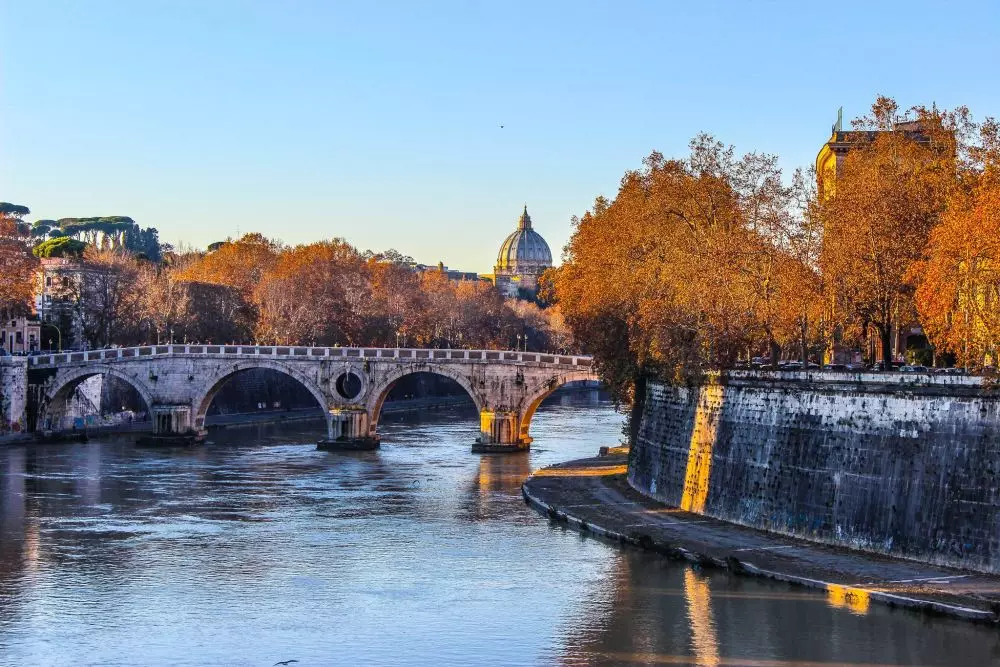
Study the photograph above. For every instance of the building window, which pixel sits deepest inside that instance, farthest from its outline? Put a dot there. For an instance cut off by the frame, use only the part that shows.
(18, 337)
(48, 281)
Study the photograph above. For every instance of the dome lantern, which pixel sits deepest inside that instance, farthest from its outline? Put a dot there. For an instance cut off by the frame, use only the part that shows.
(525, 221)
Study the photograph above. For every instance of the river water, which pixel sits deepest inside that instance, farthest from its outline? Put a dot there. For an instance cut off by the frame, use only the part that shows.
(256, 548)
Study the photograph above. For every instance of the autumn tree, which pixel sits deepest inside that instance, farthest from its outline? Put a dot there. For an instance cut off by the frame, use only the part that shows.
(240, 264)
(890, 191)
(395, 300)
(311, 295)
(958, 284)
(17, 265)
(108, 300)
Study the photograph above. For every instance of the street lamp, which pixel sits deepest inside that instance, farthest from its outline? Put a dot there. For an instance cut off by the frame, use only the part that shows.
(58, 331)
(518, 348)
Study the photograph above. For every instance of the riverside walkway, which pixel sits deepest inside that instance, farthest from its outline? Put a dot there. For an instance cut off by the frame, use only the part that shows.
(592, 495)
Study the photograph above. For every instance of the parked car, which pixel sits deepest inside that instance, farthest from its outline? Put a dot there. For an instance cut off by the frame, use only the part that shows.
(4, 353)
(913, 369)
(856, 367)
(836, 367)
(949, 371)
(879, 366)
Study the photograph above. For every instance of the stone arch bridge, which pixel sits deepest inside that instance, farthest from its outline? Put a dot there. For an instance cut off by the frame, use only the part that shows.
(178, 383)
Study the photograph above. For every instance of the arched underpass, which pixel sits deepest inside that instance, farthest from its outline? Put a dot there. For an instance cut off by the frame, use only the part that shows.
(255, 395)
(413, 395)
(95, 400)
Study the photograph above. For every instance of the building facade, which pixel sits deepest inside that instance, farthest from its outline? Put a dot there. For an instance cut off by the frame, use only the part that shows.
(524, 256)
(60, 285)
(20, 335)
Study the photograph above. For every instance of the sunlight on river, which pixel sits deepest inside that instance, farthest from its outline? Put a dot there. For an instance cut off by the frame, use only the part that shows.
(257, 548)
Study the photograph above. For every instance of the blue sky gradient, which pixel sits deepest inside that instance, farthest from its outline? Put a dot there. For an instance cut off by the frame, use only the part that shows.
(380, 122)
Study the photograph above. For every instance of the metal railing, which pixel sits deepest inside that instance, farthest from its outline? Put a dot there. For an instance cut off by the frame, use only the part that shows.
(298, 352)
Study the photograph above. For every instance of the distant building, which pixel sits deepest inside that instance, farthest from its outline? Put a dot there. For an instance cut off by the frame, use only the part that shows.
(831, 155)
(906, 339)
(20, 335)
(524, 256)
(452, 273)
(61, 282)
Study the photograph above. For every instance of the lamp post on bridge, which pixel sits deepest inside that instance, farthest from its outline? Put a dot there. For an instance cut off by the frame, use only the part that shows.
(58, 332)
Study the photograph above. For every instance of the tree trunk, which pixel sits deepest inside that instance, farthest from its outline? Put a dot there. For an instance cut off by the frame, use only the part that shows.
(638, 400)
(885, 336)
(774, 351)
(803, 335)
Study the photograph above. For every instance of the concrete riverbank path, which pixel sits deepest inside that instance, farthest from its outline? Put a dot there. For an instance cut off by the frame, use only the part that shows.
(593, 496)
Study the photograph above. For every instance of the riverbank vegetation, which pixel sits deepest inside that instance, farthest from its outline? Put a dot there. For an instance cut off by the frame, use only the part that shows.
(257, 290)
(705, 261)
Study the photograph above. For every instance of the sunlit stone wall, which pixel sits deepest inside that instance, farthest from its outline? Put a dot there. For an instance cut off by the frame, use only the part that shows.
(905, 465)
(13, 393)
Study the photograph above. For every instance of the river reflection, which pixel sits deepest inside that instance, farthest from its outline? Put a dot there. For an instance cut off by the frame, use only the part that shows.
(257, 548)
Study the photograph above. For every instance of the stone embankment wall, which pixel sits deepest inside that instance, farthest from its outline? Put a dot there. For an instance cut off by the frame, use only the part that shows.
(895, 464)
(13, 394)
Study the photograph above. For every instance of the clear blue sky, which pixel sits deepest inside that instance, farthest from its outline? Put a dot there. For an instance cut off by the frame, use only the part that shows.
(379, 121)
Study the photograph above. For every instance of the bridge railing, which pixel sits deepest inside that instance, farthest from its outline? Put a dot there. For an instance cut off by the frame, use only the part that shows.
(298, 352)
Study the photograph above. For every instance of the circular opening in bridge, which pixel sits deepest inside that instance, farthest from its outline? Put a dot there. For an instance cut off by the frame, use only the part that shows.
(348, 385)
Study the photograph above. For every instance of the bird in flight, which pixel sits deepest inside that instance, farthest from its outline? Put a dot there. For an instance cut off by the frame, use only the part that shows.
(501, 126)
(286, 662)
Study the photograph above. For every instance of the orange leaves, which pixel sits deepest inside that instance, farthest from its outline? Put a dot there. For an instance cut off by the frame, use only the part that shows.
(17, 267)
(957, 286)
(240, 264)
(891, 189)
(327, 293)
(691, 263)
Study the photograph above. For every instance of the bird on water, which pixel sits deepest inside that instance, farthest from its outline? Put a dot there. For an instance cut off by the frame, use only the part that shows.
(286, 662)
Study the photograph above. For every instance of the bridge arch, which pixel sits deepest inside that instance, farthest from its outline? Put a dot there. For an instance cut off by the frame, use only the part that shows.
(203, 401)
(66, 382)
(380, 389)
(540, 393)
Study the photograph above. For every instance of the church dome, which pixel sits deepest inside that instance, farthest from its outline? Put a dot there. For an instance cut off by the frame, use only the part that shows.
(524, 249)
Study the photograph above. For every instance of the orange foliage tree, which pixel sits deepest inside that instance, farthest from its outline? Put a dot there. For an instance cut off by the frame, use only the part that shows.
(958, 284)
(688, 268)
(311, 295)
(17, 264)
(694, 264)
(890, 192)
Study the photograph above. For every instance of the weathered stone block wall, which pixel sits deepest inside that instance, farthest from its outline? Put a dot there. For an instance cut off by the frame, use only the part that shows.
(13, 393)
(900, 465)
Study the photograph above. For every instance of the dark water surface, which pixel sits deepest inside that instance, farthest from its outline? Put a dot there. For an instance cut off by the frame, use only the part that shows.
(257, 548)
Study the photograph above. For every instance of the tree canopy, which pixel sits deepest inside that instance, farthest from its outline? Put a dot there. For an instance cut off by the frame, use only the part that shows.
(63, 246)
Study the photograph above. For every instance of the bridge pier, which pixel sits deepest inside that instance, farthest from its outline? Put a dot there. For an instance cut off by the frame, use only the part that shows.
(172, 426)
(500, 432)
(348, 429)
